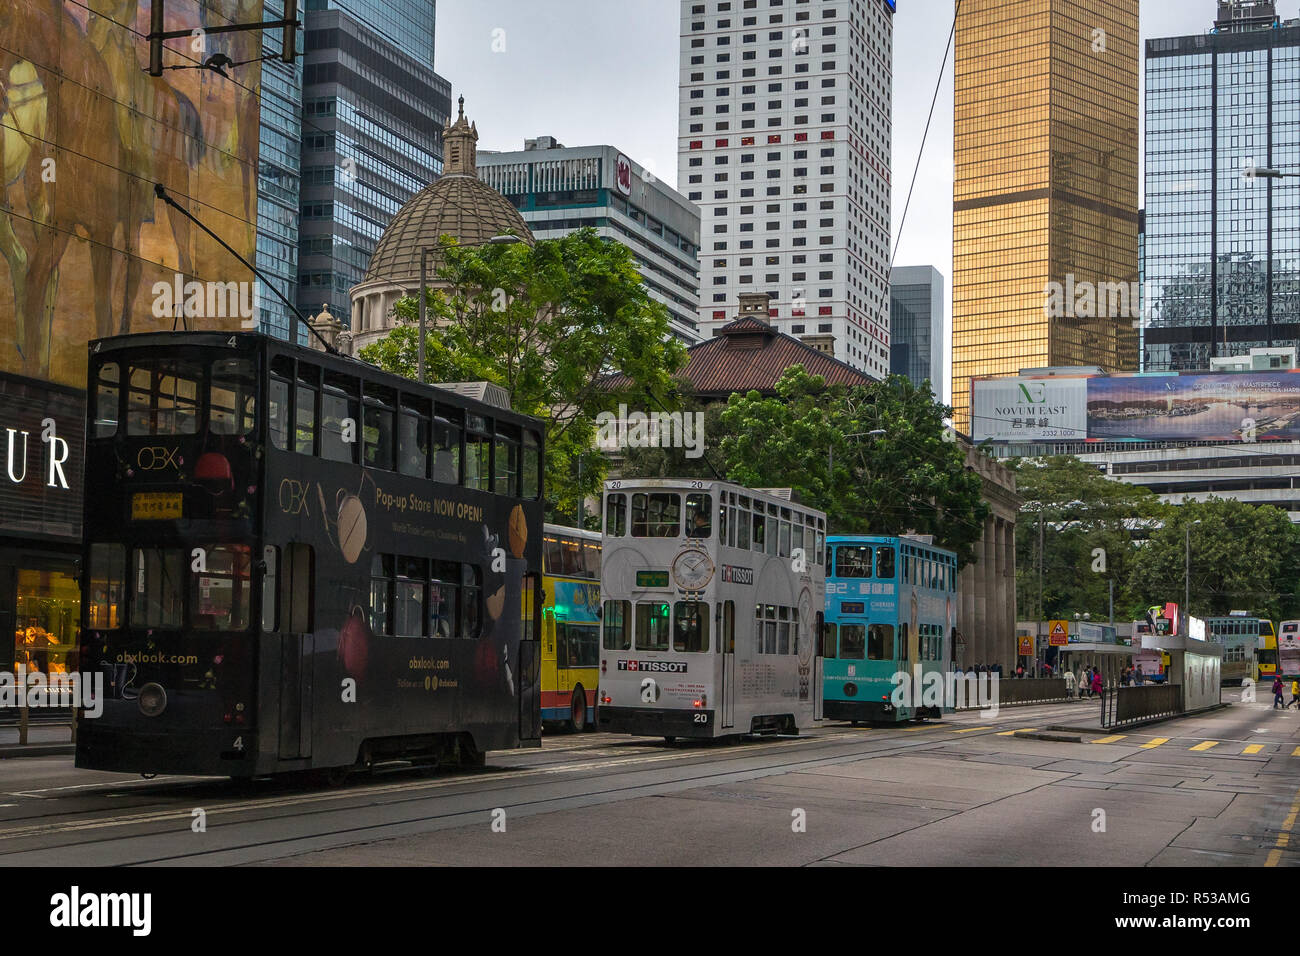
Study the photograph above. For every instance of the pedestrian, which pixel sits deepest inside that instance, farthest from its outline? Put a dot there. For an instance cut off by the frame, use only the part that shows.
(1085, 683)
(1137, 675)
(1069, 684)
(1020, 671)
(1295, 694)
(1096, 682)
(1277, 693)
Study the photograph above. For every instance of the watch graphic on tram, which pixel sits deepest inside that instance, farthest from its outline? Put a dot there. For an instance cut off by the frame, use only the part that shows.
(692, 570)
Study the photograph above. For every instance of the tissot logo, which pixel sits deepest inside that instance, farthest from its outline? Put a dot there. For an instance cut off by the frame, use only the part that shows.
(736, 575)
(654, 667)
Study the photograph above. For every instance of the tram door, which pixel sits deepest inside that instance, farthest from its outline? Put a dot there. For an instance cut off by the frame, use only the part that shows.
(530, 659)
(727, 645)
(817, 667)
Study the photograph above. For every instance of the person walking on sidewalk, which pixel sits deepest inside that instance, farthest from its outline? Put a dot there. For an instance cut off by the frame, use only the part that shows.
(1295, 694)
(1277, 693)
(1096, 683)
(1069, 683)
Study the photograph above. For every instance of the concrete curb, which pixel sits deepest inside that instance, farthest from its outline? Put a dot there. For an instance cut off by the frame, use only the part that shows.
(36, 750)
(1055, 738)
(1106, 731)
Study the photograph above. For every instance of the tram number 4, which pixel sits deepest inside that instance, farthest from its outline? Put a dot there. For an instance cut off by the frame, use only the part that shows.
(701, 718)
(239, 743)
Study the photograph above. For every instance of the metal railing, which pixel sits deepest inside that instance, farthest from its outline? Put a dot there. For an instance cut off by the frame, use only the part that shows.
(1121, 706)
(1030, 690)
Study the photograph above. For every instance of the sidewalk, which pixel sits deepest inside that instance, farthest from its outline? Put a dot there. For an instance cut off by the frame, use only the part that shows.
(43, 740)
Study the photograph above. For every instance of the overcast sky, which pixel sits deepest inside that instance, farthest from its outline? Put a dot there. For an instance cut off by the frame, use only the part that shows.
(605, 71)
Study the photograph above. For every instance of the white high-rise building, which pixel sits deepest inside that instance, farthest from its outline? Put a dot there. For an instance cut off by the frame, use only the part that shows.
(785, 147)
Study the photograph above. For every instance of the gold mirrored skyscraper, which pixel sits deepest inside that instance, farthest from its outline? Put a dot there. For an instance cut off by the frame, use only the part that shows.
(1045, 189)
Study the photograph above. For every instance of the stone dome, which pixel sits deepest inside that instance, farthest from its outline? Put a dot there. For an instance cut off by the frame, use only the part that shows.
(458, 204)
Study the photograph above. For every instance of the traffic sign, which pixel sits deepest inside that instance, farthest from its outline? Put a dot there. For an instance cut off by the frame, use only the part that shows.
(1058, 633)
(1026, 645)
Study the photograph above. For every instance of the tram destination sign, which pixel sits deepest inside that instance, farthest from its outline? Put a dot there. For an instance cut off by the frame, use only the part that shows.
(652, 579)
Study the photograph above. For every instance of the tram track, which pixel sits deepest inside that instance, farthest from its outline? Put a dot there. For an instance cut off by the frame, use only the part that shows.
(480, 791)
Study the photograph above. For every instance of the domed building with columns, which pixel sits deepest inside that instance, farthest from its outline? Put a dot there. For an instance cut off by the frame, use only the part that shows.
(458, 204)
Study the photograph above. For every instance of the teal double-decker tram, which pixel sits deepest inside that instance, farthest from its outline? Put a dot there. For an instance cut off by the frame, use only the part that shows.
(891, 605)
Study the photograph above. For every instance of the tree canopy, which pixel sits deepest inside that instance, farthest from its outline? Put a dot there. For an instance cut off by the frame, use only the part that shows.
(546, 322)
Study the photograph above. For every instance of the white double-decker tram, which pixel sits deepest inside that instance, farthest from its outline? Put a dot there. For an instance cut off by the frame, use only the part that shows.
(713, 598)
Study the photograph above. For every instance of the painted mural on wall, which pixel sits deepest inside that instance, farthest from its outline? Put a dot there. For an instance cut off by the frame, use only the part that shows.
(85, 133)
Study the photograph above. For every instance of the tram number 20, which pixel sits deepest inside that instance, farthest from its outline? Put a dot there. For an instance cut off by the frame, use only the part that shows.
(701, 718)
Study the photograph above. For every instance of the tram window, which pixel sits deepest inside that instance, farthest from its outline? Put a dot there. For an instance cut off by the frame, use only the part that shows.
(853, 561)
(616, 515)
(699, 514)
(444, 592)
(578, 645)
(853, 640)
(163, 398)
(552, 555)
(471, 601)
(107, 392)
(340, 409)
(783, 632)
(380, 440)
(796, 540)
(820, 548)
(571, 555)
(531, 465)
(783, 544)
(656, 515)
(506, 480)
(408, 597)
(651, 626)
(107, 586)
(722, 522)
(591, 559)
(884, 562)
(759, 524)
(232, 397)
(880, 642)
(730, 522)
(769, 629)
(446, 446)
(691, 627)
(159, 587)
(743, 523)
(270, 588)
(304, 421)
(278, 415)
(829, 638)
(413, 444)
(381, 590)
(296, 579)
(478, 454)
(219, 596)
(616, 621)
(727, 639)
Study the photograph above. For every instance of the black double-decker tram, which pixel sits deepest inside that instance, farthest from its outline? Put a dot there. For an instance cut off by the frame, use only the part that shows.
(294, 561)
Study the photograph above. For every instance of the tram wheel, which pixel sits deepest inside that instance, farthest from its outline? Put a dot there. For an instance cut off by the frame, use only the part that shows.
(578, 711)
(670, 740)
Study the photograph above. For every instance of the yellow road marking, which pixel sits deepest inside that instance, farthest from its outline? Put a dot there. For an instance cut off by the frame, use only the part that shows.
(1205, 745)
(1253, 749)
(1111, 739)
(971, 730)
(1296, 752)
(1273, 857)
(1012, 733)
(1156, 742)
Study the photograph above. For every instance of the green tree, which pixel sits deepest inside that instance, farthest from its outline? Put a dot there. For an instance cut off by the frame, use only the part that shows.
(1090, 524)
(678, 461)
(549, 323)
(816, 438)
(1243, 557)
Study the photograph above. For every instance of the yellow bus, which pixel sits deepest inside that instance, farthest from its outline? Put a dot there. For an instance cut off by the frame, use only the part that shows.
(1266, 653)
(570, 626)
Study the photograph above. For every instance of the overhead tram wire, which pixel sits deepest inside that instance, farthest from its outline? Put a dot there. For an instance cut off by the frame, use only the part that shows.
(924, 136)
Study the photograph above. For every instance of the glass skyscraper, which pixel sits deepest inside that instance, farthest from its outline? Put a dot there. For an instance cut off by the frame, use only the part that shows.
(916, 340)
(279, 148)
(1222, 249)
(373, 113)
(1045, 191)
(407, 23)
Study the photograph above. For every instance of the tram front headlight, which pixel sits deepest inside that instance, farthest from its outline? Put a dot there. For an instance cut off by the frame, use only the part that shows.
(152, 700)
